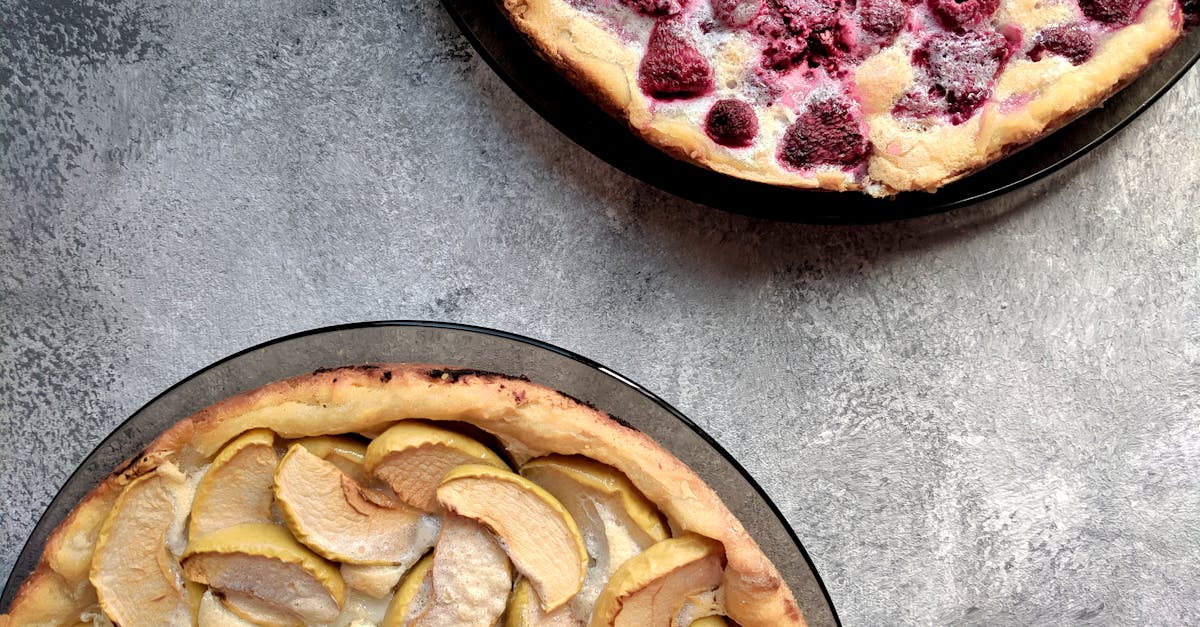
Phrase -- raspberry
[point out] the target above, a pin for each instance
(961, 69)
(1112, 12)
(731, 123)
(1070, 41)
(802, 16)
(883, 18)
(672, 68)
(736, 13)
(963, 14)
(656, 8)
(802, 31)
(826, 134)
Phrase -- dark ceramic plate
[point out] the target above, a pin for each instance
(577, 117)
(470, 347)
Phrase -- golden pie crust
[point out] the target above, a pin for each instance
(528, 419)
(903, 156)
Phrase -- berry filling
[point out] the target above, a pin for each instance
(1111, 12)
(801, 32)
(672, 67)
(960, 69)
(736, 13)
(1191, 13)
(882, 18)
(731, 123)
(825, 134)
(963, 14)
(656, 8)
(1070, 41)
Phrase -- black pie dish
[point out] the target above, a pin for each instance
(576, 116)
(459, 345)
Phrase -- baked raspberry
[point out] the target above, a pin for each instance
(1112, 12)
(799, 31)
(732, 123)
(802, 16)
(656, 8)
(882, 18)
(963, 14)
(736, 13)
(826, 134)
(961, 68)
(672, 68)
(1070, 41)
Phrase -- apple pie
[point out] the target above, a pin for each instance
(403, 495)
(881, 96)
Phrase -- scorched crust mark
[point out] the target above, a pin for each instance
(453, 375)
(129, 463)
(361, 368)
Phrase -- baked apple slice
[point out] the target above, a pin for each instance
(615, 520)
(412, 457)
(525, 610)
(137, 579)
(652, 587)
(470, 577)
(412, 597)
(345, 453)
(339, 519)
(265, 563)
(536, 531)
(236, 489)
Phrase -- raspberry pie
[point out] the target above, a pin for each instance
(881, 96)
(403, 495)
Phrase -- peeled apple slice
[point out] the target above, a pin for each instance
(651, 587)
(470, 577)
(265, 562)
(345, 453)
(213, 613)
(525, 610)
(615, 520)
(412, 457)
(336, 517)
(237, 487)
(375, 581)
(412, 596)
(535, 530)
(137, 580)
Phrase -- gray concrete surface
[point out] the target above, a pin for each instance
(986, 417)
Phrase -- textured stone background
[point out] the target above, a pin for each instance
(988, 417)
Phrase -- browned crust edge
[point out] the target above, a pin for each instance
(363, 398)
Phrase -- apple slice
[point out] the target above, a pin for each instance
(236, 488)
(214, 613)
(257, 611)
(336, 517)
(412, 457)
(651, 587)
(374, 580)
(345, 453)
(470, 578)
(535, 530)
(525, 610)
(137, 579)
(615, 520)
(266, 563)
(412, 596)
(701, 610)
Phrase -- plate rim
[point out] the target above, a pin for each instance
(15, 579)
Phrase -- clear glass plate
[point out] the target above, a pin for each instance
(463, 346)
